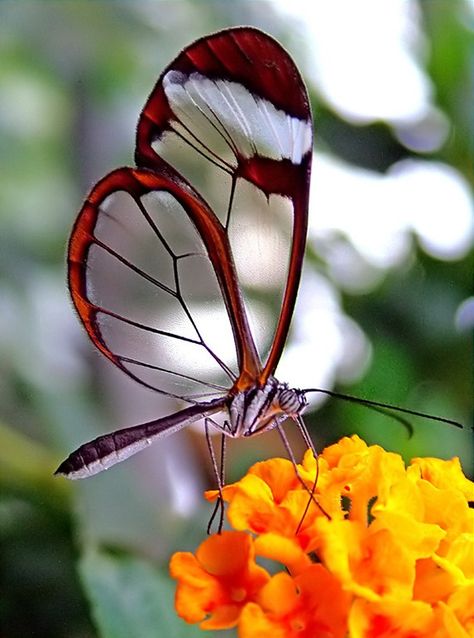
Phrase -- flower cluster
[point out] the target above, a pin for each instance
(380, 550)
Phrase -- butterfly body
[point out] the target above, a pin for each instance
(247, 413)
(258, 409)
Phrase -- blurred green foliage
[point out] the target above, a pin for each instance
(73, 77)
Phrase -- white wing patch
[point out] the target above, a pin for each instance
(249, 124)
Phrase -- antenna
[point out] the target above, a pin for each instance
(386, 408)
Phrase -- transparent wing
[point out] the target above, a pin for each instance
(152, 278)
(231, 113)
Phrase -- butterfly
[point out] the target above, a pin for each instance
(236, 101)
(149, 256)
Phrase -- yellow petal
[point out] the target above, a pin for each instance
(391, 619)
(445, 475)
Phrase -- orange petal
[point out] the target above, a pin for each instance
(223, 617)
(279, 474)
(368, 564)
(195, 591)
(284, 550)
(446, 507)
(461, 554)
(311, 605)
(225, 554)
(461, 603)
(448, 624)
(254, 623)
(432, 584)
(215, 585)
(391, 619)
(279, 595)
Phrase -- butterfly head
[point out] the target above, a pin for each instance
(258, 410)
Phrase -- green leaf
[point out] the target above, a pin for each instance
(129, 597)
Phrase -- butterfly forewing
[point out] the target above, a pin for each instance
(236, 104)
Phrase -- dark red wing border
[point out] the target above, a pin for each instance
(300, 200)
(138, 182)
(244, 55)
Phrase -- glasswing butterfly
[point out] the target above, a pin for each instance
(236, 101)
(146, 244)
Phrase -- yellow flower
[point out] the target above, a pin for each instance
(378, 551)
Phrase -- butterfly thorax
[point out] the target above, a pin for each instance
(258, 410)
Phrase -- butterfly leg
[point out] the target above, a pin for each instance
(219, 473)
(289, 451)
(306, 437)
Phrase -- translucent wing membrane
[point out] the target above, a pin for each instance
(237, 100)
(154, 293)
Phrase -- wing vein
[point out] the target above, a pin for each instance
(134, 268)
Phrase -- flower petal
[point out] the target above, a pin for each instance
(215, 585)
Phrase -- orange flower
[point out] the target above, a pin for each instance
(394, 558)
(215, 585)
(310, 605)
(271, 498)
